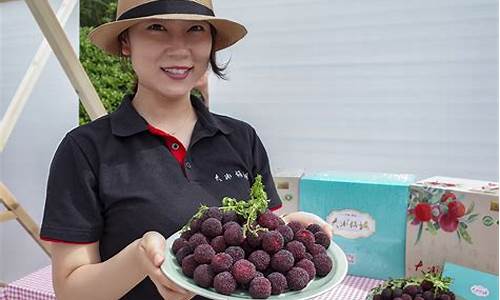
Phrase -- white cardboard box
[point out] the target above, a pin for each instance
(287, 184)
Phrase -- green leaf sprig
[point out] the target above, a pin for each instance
(201, 211)
(441, 284)
(249, 210)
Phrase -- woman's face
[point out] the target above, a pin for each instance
(169, 56)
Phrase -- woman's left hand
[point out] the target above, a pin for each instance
(306, 219)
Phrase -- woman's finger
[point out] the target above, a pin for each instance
(328, 229)
(160, 278)
(154, 244)
(304, 218)
(164, 291)
(167, 293)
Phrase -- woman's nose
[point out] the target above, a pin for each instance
(177, 46)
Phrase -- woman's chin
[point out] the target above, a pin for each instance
(174, 94)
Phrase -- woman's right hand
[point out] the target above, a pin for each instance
(151, 252)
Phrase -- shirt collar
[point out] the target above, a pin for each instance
(126, 121)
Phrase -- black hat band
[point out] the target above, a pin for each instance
(162, 7)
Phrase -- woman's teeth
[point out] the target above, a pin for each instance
(175, 71)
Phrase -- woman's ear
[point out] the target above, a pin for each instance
(125, 44)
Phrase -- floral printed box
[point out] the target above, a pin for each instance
(454, 220)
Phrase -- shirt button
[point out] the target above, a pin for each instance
(175, 146)
(188, 165)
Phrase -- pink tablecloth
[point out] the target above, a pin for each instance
(38, 286)
(35, 286)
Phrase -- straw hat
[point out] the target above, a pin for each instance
(130, 12)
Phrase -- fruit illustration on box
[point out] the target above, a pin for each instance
(435, 210)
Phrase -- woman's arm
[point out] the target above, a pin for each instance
(78, 272)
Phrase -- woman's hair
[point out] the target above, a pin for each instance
(219, 71)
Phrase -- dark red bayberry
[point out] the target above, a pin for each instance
(214, 212)
(211, 227)
(308, 266)
(229, 216)
(183, 252)
(178, 244)
(296, 226)
(218, 243)
(387, 294)
(314, 228)
(255, 240)
(297, 278)
(278, 283)
(272, 241)
(221, 262)
(282, 261)
(203, 254)
(316, 249)
(197, 239)
(268, 220)
(203, 276)
(260, 288)
(233, 236)
(236, 252)
(188, 265)
(286, 232)
(297, 249)
(243, 271)
(260, 259)
(323, 264)
(305, 236)
(322, 239)
(224, 283)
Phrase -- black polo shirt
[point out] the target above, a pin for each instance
(112, 180)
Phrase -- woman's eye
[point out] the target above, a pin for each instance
(156, 27)
(197, 28)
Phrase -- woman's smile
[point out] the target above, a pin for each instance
(177, 73)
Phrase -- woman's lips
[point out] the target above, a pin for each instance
(177, 73)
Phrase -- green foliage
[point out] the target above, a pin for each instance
(111, 76)
(96, 12)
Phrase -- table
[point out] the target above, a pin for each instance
(38, 286)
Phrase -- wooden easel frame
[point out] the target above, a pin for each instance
(51, 27)
(14, 211)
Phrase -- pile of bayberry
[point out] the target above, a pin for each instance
(244, 246)
(429, 287)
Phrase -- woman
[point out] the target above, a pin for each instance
(122, 183)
